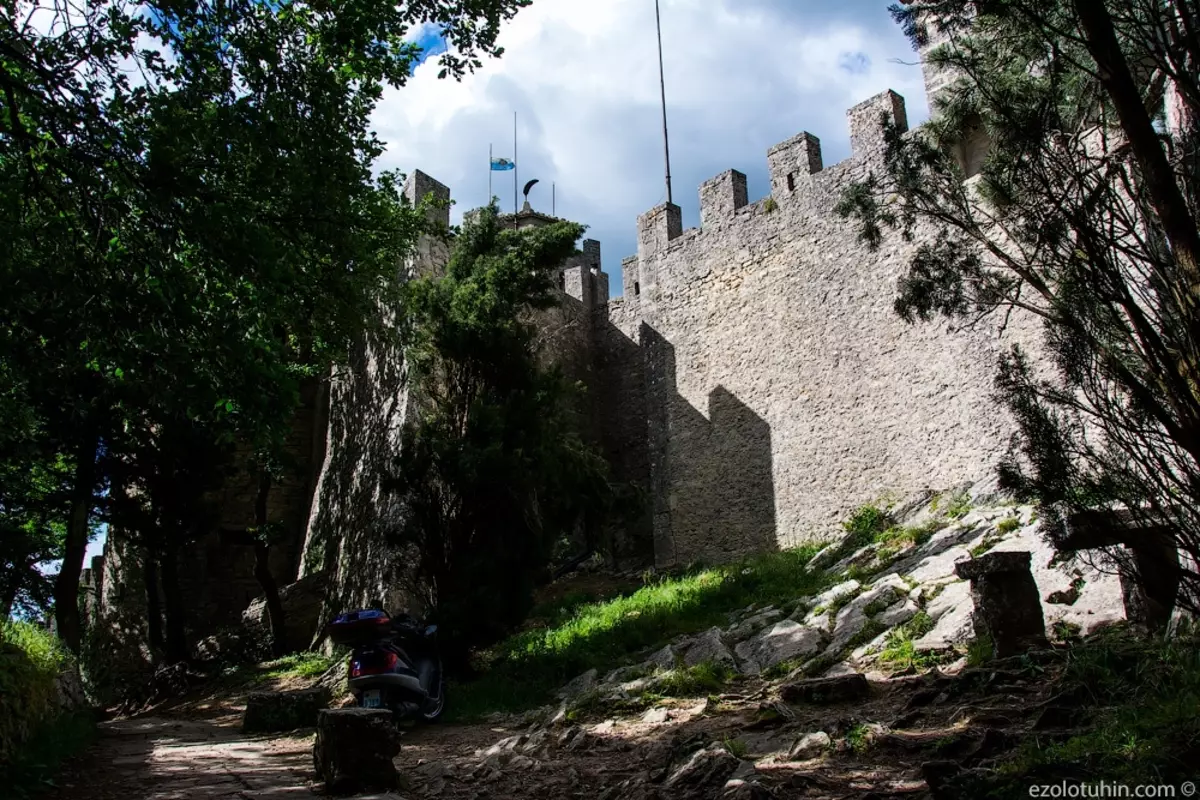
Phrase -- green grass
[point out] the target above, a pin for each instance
(956, 505)
(1007, 525)
(1146, 694)
(899, 650)
(35, 738)
(525, 670)
(736, 747)
(980, 651)
(298, 665)
(858, 739)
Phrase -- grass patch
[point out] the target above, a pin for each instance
(1007, 525)
(980, 651)
(298, 665)
(858, 739)
(899, 537)
(695, 681)
(736, 747)
(899, 650)
(35, 738)
(990, 540)
(524, 671)
(956, 504)
(1146, 694)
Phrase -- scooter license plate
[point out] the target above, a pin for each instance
(372, 699)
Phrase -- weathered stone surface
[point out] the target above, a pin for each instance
(706, 769)
(578, 686)
(706, 647)
(784, 641)
(810, 745)
(826, 690)
(354, 749)
(268, 712)
(753, 624)
(1008, 608)
(952, 612)
(301, 611)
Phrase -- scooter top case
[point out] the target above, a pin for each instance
(361, 628)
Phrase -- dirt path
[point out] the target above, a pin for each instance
(874, 748)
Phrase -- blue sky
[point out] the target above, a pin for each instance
(741, 75)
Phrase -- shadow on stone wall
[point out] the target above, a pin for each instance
(620, 407)
(712, 484)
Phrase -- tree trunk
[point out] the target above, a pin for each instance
(154, 624)
(66, 585)
(176, 638)
(262, 570)
(1159, 178)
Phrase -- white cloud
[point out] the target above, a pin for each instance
(741, 75)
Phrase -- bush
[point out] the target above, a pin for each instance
(30, 661)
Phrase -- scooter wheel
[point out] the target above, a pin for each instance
(434, 709)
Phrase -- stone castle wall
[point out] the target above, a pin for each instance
(781, 389)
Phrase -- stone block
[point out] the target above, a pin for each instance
(268, 712)
(1008, 608)
(354, 749)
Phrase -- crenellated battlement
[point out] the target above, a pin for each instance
(798, 175)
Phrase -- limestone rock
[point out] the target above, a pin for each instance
(784, 641)
(268, 712)
(578, 686)
(752, 625)
(741, 789)
(301, 611)
(809, 746)
(354, 749)
(707, 646)
(951, 610)
(705, 769)
(826, 690)
(656, 716)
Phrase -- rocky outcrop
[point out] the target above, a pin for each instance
(301, 611)
(907, 589)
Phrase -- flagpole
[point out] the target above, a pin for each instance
(489, 202)
(662, 85)
(552, 199)
(514, 169)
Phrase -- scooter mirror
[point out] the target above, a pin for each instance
(431, 630)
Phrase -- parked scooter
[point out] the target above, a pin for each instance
(395, 663)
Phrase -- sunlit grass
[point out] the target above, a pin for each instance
(525, 670)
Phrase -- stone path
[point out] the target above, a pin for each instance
(155, 758)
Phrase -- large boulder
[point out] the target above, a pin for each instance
(301, 611)
(354, 750)
(268, 712)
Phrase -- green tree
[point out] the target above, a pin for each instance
(192, 226)
(1083, 215)
(492, 470)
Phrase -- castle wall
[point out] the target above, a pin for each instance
(782, 388)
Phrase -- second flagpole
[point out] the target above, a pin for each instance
(514, 169)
